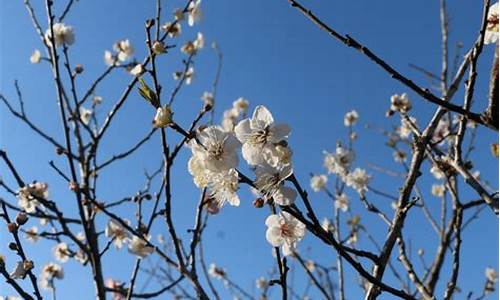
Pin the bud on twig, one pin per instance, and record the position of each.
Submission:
(21, 218)
(59, 151)
(12, 227)
(258, 203)
(12, 246)
(78, 69)
(150, 23)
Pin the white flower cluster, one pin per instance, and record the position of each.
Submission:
(63, 35)
(264, 147)
(27, 196)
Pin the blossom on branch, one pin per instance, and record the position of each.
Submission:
(284, 230)
(63, 35)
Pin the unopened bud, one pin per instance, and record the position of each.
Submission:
(21, 218)
(12, 246)
(12, 227)
(78, 69)
(150, 23)
(258, 203)
(59, 151)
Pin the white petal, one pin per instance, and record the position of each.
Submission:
(273, 220)
(243, 130)
(279, 132)
(273, 236)
(252, 154)
(261, 118)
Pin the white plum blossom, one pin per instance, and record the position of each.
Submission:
(32, 234)
(436, 172)
(338, 162)
(50, 272)
(491, 274)
(137, 70)
(96, 100)
(442, 131)
(192, 47)
(277, 155)
(158, 47)
(163, 117)
(351, 118)
(19, 271)
(258, 133)
(63, 35)
(27, 196)
(399, 156)
(201, 175)
(224, 186)
(229, 119)
(217, 272)
(400, 103)
(110, 59)
(438, 190)
(241, 105)
(81, 256)
(358, 180)
(173, 29)
(327, 225)
(491, 34)
(61, 252)
(284, 230)
(342, 202)
(189, 76)
(117, 232)
(139, 247)
(35, 57)
(261, 283)
(270, 182)
(194, 12)
(216, 149)
(85, 115)
(208, 99)
(405, 130)
(124, 50)
(318, 182)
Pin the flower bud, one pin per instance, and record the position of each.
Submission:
(258, 203)
(59, 151)
(150, 23)
(78, 69)
(12, 246)
(21, 218)
(12, 227)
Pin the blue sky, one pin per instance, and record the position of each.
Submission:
(272, 56)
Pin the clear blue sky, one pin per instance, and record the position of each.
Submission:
(272, 56)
